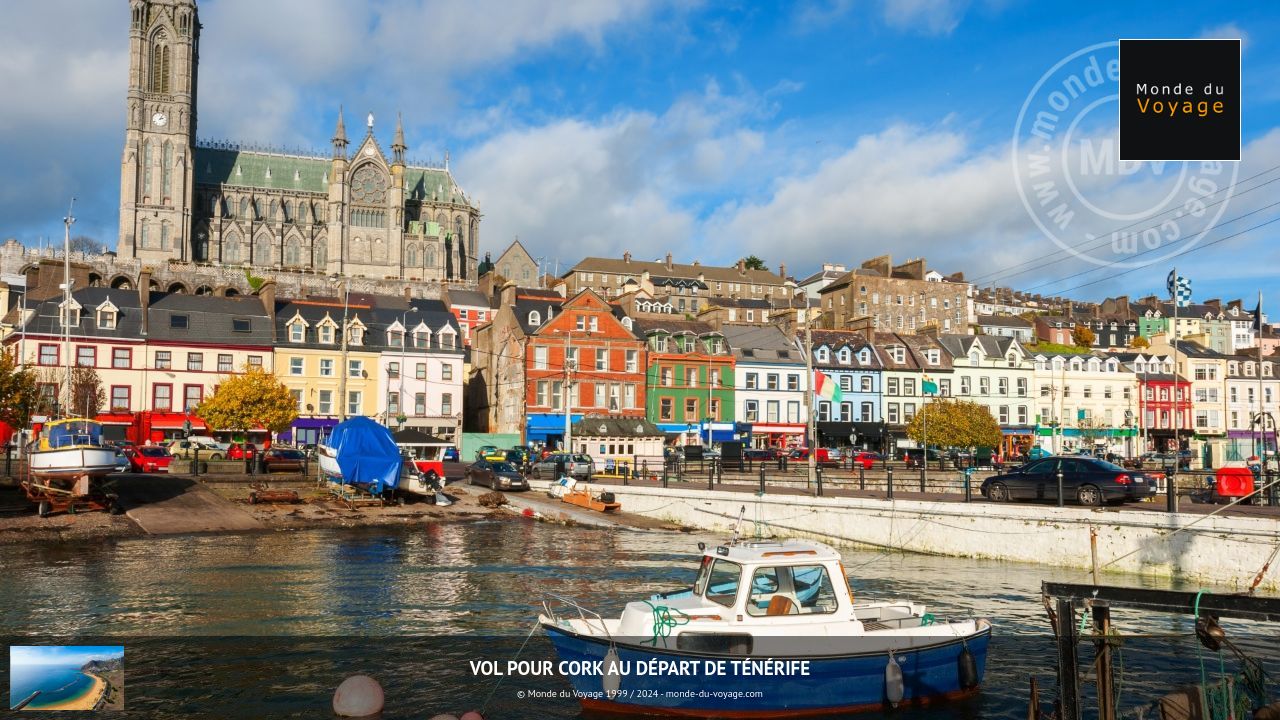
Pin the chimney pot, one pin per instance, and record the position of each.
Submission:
(669, 265)
(626, 257)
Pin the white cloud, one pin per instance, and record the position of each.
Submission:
(932, 17)
(1227, 31)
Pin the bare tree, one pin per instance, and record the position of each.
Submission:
(87, 245)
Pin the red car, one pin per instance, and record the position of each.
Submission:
(866, 459)
(240, 451)
(825, 457)
(148, 459)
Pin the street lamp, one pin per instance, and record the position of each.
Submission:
(404, 341)
(345, 284)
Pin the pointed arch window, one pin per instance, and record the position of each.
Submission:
(262, 251)
(293, 253)
(321, 253)
(231, 249)
(148, 158)
(244, 208)
(430, 256)
(143, 239)
(164, 235)
(159, 79)
(411, 255)
(166, 171)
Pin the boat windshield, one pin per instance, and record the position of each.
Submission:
(718, 581)
(75, 432)
(791, 590)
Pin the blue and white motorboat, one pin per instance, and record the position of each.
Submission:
(769, 629)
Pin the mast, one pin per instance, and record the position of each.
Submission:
(1262, 425)
(66, 304)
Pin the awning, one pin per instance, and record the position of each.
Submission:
(1019, 430)
(176, 421)
(409, 436)
(777, 429)
(314, 423)
(552, 423)
(678, 428)
(115, 418)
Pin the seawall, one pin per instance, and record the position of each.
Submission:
(1227, 551)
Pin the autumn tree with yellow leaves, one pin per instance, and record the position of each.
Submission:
(955, 423)
(18, 391)
(252, 399)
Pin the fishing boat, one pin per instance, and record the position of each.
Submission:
(769, 629)
(72, 449)
(361, 454)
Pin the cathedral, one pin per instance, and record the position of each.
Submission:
(356, 212)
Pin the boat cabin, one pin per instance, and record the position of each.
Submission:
(70, 433)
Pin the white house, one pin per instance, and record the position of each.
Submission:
(769, 384)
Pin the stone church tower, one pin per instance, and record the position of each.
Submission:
(156, 183)
(360, 212)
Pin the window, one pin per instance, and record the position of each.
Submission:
(1002, 386)
(892, 414)
(752, 410)
(1004, 415)
(353, 402)
(446, 372)
(355, 368)
(298, 332)
(326, 335)
(691, 377)
(122, 358)
(326, 402)
(581, 321)
(864, 385)
(393, 403)
(668, 376)
(846, 383)
(162, 397)
(540, 358)
(163, 360)
(119, 397)
(191, 396)
(395, 338)
(241, 325)
(393, 369)
(1022, 414)
(691, 408)
(106, 319)
(629, 395)
(195, 362)
(767, 585)
(793, 381)
(867, 412)
(602, 358)
(225, 363)
(893, 386)
(326, 367)
(964, 385)
(1088, 391)
(984, 386)
(1022, 387)
(178, 322)
(87, 356)
(793, 411)
(297, 400)
(753, 381)
(666, 408)
(713, 408)
(908, 412)
(420, 404)
(771, 381)
(540, 394)
(908, 386)
(633, 361)
(48, 355)
(944, 387)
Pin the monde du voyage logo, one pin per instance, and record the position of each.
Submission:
(1180, 100)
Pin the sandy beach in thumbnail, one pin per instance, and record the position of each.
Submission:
(84, 702)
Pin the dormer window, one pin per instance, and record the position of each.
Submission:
(626, 323)
(355, 336)
(448, 339)
(898, 353)
(325, 333)
(931, 356)
(845, 356)
(421, 338)
(864, 357)
(823, 355)
(395, 337)
(975, 357)
(106, 319)
(535, 319)
(179, 322)
(297, 332)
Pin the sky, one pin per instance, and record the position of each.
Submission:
(61, 655)
(802, 132)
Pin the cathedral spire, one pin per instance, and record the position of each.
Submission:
(340, 137)
(397, 145)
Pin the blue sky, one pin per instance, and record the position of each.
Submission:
(61, 655)
(801, 132)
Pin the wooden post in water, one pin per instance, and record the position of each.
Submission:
(1106, 682)
(1068, 677)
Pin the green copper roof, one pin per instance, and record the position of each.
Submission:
(265, 171)
(429, 184)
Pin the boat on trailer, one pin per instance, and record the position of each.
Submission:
(72, 449)
(789, 639)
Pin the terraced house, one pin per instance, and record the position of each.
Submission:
(1087, 402)
(995, 372)
(850, 360)
(690, 380)
(770, 383)
(908, 360)
(420, 373)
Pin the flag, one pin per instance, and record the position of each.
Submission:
(928, 387)
(1257, 317)
(827, 388)
(1179, 288)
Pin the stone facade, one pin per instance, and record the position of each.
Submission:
(879, 296)
(359, 214)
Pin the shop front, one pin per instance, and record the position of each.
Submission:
(861, 435)
(777, 435)
(308, 431)
(546, 428)
(1016, 441)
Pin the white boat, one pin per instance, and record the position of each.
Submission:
(72, 449)
(328, 459)
(768, 630)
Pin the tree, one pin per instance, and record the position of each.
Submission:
(87, 396)
(19, 390)
(1082, 336)
(252, 399)
(1139, 342)
(955, 423)
(87, 245)
(751, 262)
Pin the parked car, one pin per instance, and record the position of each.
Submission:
(496, 475)
(518, 456)
(208, 443)
(187, 449)
(913, 456)
(1086, 480)
(280, 459)
(491, 452)
(578, 466)
(825, 457)
(122, 461)
(450, 454)
(760, 454)
(241, 451)
(866, 459)
(1038, 453)
(149, 459)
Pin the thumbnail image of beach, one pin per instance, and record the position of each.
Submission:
(66, 677)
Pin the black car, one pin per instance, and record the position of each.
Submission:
(496, 475)
(760, 454)
(1086, 480)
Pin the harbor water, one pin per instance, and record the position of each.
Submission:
(266, 625)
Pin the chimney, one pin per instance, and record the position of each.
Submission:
(1215, 303)
(508, 295)
(144, 298)
(913, 269)
(267, 294)
(882, 265)
(669, 265)
(782, 270)
(626, 257)
(742, 267)
(408, 292)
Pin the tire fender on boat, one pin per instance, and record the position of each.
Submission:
(893, 688)
(968, 669)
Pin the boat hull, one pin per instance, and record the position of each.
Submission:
(74, 462)
(328, 460)
(835, 683)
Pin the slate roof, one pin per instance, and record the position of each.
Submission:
(547, 303)
(1010, 321)
(991, 345)
(1196, 350)
(748, 303)
(296, 173)
(913, 358)
(209, 319)
(764, 344)
(376, 320)
(466, 298)
(655, 323)
(44, 315)
(837, 339)
(615, 426)
(678, 270)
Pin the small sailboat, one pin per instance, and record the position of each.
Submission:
(72, 449)
(769, 629)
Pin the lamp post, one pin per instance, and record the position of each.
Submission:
(343, 370)
(404, 341)
(812, 428)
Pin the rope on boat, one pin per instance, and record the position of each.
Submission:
(489, 697)
(664, 621)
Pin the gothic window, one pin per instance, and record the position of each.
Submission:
(457, 231)
(431, 256)
(293, 253)
(244, 208)
(411, 255)
(287, 210)
(201, 247)
(159, 80)
(143, 240)
(166, 170)
(443, 222)
(164, 235)
(214, 208)
(321, 253)
(231, 248)
(273, 210)
(302, 211)
(369, 185)
(148, 156)
(262, 251)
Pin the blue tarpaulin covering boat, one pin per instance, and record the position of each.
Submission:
(362, 452)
